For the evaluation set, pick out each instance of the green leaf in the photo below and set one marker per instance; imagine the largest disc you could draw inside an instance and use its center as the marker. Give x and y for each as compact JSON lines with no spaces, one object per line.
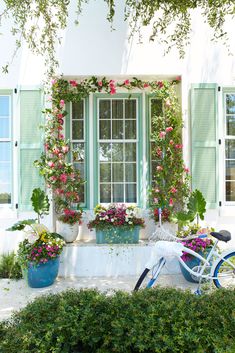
{"x":40,"y":202}
{"x":196,"y":205}
{"x":21,"y":224}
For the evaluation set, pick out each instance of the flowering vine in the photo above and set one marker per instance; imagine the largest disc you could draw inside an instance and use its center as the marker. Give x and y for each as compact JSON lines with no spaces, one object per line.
{"x":169,"y":181}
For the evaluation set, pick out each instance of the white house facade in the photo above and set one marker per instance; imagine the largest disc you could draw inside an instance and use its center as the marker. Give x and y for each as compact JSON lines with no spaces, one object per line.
{"x":207,"y":95}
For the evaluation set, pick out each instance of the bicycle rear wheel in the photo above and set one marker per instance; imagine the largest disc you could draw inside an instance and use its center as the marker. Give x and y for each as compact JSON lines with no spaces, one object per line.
{"x":225,"y":272}
{"x":149,"y":276}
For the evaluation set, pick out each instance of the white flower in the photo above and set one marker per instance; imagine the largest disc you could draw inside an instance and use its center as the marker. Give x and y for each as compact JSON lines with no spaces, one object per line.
{"x":112,"y":220}
{"x":31,"y":236}
{"x":130,"y":222}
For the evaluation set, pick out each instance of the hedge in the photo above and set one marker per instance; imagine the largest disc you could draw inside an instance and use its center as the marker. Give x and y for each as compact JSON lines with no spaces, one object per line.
{"x":155,"y":320}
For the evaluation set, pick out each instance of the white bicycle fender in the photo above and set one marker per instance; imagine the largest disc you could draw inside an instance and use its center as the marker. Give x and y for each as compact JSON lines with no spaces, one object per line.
{"x":224,"y":253}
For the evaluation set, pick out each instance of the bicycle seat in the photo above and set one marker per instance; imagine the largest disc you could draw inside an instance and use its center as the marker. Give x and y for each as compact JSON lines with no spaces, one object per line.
{"x":222,"y":235}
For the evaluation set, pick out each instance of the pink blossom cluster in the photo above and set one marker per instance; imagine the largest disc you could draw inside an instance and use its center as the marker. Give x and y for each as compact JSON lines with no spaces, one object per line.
{"x":44,"y":252}
{"x":197,"y":245}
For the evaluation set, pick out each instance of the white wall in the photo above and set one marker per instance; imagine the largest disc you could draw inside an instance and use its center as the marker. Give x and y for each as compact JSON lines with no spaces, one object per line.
{"x":91,"y":48}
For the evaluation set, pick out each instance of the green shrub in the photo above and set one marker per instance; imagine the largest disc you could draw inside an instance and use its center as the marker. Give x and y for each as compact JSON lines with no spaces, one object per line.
{"x":9,"y":266}
{"x":160,"y":320}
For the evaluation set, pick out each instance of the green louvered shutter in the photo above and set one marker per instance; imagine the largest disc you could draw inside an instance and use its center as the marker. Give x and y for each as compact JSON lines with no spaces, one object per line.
{"x":30,"y":145}
{"x":204,"y":141}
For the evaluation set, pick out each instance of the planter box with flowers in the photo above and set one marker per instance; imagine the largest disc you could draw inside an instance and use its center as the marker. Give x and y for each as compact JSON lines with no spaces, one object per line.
{"x":39,"y":252}
{"x":116,"y":224}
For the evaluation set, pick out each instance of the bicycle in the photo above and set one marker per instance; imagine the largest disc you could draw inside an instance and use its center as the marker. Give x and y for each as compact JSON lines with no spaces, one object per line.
{"x":216,"y":267}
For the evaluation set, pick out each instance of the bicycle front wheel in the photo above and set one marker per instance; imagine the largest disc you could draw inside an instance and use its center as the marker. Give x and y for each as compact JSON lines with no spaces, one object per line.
{"x":225,"y":272}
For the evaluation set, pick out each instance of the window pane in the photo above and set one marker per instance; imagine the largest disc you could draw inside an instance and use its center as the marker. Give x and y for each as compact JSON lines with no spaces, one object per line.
{"x":230,"y":191}
{"x":118,"y":192}
{"x":117,"y":152}
{"x":78,"y":152}
{"x":105,"y":152}
{"x":78,"y":110}
{"x":77,"y":130}
{"x":5,"y":194}
{"x":104,"y":109}
{"x":230,"y":149}
{"x":105,"y":172}
{"x":4,"y":105}
{"x":117,"y":129}
{"x":4,"y":128}
{"x":117,"y":109}
{"x":105,"y":193}
{"x":130,"y":109}
{"x":105,"y":129}
{"x":230,"y":103}
{"x":230,"y":170}
{"x":131,"y":193}
{"x":130,"y":129}
{"x":117,"y":172}
{"x":130,"y":172}
{"x":5,"y":151}
{"x":230,"y":125}
{"x":81,"y":168}
{"x":130,"y":152}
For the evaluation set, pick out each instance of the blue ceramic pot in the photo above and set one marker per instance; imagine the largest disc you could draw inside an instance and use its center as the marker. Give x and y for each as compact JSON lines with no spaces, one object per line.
{"x":117,"y":235}
{"x":43,"y":275}
{"x":190,"y":263}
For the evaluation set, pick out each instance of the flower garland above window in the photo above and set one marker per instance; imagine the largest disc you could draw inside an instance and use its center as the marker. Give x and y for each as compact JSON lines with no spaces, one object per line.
{"x":170,"y":181}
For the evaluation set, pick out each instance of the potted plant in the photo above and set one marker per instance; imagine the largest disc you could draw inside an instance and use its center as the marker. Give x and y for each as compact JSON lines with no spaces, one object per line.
{"x":39,"y":252}
{"x":188,"y":222}
{"x":68,"y":224}
{"x":116,"y":224}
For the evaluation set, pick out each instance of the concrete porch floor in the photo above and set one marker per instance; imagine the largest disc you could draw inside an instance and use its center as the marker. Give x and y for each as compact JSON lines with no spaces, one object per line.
{"x":16,"y":294}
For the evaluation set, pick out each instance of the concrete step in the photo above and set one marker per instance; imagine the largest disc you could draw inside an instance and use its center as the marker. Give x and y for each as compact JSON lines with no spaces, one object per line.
{"x":88,"y":259}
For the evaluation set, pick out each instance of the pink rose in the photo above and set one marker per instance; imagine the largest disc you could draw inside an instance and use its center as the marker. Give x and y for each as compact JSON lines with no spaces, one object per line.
{"x":73,"y":83}
{"x":51,"y":164}
{"x":169,"y":129}
{"x":160,"y":84}
{"x":157,"y":190}
{"x":65,"y":149}
{"x":173,"y":190}
{"x":171,"y":142}
{"x":186,"y":170}
{"x":126,"y":82}
{"x":100,"y":84}
{"x":159,"y":167}
{"x":113,"y":90}
{"x":178,"y":78}
{"x":162,"y":134}
{"x":171,"y":202}
{"x":155,"y":200}
{"x":62,"y":103}
{"x":53,"y":81}
{"x":63,"y":178}
{"x":178,"y":146}
{"x":56,"y":150}
{"x":146,"y":85}
{"x":168,"y":102}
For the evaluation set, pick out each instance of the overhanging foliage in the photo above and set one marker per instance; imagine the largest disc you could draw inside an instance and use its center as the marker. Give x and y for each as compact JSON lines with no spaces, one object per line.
{"x":40,"y":22}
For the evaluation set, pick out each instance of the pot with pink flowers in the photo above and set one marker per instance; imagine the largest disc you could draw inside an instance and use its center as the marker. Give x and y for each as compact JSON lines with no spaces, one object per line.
{"x":68,"y":224}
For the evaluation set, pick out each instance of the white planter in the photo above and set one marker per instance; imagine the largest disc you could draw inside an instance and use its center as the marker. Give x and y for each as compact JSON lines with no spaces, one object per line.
{"x":68,"y":231}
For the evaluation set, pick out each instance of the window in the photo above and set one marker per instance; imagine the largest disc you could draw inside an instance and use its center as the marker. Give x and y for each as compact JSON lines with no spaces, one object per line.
{"x":78,"y":142}
{"x":117,"y":133}
{"x":230,"y":146}
{"x":5,"y":150}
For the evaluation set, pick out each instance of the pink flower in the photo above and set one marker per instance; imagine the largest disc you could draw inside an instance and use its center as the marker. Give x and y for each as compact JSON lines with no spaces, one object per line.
{"x":169,"y":129}
{"x":168,"y":102}
{"x":171,"y":142}
{"x":171,"y":202}
{"x":160,"y":84}
{"x":60,"y":116}
{"x":157,"y":190}
{"x":100,"y":84}
{"x":162,"y":134}
{"x":146,"y":85}
{"x":53,"y":81}
{"x":155,"y":200}
{"x":173,"y":190}
{"x":61,"y":136}
{"x":111,"y":83}
{"x":178,"y":78}
{"x":65,"y":149}
{"x":56,"y":150}
{"x":159,"y":152}
{"x":51,"y":164}
{"x":53,"y":178}
{"x":62,"y":103}
{"x":73,"y":83}
{"x":113,"y":90}
{"x":179,"y":146}
{"x":60,"y":155}
{"x":126,"y":82}
{"x":63,"y":178}
{"x":59,"y":191}
{"x":186,"y":170}
{"x":46,"y":146}
{"x":159,"y":167}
